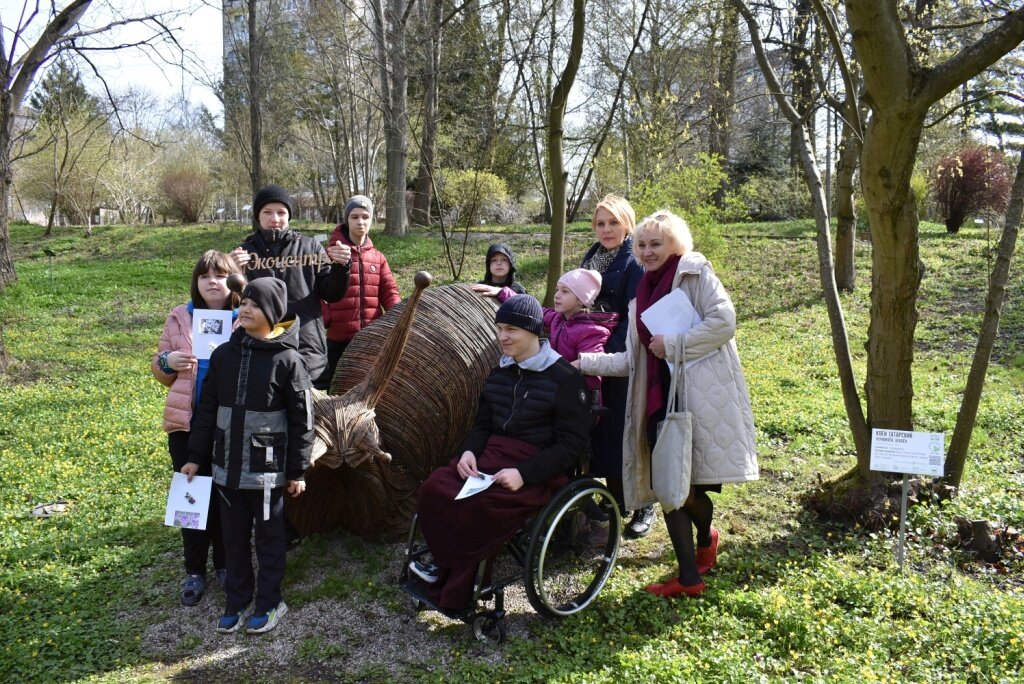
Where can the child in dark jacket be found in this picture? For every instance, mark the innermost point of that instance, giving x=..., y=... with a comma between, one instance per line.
x=371, y=287
x=573, y=329
x=501, y=268
x=255, y=422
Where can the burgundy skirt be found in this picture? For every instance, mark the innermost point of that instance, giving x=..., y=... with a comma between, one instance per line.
x=462, y=533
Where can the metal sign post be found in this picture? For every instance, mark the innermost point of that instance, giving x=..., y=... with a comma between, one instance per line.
x=900, y=451
x=901, y=552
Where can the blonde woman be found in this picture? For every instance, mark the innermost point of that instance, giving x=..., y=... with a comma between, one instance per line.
x=612, y=256
x=716, y=394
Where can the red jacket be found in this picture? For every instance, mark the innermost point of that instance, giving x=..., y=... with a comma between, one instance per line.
x=371, y=291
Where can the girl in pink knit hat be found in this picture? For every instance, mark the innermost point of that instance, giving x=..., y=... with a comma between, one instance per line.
x=573, y=328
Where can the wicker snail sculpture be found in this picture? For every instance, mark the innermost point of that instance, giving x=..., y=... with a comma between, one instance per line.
x=402, y=399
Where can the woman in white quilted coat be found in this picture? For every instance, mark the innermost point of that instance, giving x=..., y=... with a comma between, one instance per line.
x=716, y=395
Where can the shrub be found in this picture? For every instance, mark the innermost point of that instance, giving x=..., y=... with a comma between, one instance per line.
x=187, y=189
x=970, y=180
x=686, y=189
x=472, y=196
x=707, y=233
x=919, y=185
x=776, y=199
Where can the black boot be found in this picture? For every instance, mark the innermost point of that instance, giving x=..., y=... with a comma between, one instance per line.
x=640, y=524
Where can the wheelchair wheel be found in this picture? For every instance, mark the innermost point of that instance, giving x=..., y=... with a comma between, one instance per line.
x=573, y=548
x=489, y=628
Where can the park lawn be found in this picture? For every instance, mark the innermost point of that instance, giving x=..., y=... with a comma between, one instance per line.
x=792, y=599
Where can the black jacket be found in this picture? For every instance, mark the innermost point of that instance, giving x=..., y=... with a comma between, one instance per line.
x=545, y=408
x=303, y=265
x=618, y=288
x=254, y=420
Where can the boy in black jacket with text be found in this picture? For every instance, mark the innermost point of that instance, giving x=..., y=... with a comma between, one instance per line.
x=255, y=421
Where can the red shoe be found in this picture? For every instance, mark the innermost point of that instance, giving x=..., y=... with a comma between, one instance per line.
x=707, y=556
x=674, y=588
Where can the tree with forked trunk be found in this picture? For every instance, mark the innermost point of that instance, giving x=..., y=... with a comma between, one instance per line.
x=901, y=82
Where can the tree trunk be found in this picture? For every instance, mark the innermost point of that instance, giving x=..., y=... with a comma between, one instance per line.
x=51, y=215
x=580, y=193
x=723, y=93
x=965, y=419
x=846, y=210
x=431, y=92
x=556, y=134
x=859, y=427
x=255, y=104
x=803, y=85
x=391, y=52
x=4, y=360
x=489, y=148
x=887, y=161
x=7, y=273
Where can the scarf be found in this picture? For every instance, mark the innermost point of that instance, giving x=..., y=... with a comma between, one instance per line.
x=653, y=286
x=601, y=259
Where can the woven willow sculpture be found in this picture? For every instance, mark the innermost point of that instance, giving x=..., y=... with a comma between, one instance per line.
x=402, y=399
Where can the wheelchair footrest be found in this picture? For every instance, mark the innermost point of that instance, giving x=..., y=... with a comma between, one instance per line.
x=417, y=589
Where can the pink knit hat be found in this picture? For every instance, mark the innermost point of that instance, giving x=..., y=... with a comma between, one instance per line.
x=583, y=283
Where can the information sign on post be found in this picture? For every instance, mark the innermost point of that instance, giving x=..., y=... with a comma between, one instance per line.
x=915, y=453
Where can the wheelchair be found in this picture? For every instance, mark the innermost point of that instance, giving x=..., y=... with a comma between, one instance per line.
x=564, y=556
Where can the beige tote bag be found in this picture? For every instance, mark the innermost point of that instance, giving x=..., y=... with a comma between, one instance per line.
x=672, y=458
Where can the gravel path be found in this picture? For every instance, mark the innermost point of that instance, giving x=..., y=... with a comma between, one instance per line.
x=347, y=621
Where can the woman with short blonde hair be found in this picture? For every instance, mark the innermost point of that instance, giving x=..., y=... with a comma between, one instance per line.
x=672, y=227
x=723, y=448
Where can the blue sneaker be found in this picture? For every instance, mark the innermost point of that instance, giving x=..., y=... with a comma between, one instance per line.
x=258, y=624
x=230, y=622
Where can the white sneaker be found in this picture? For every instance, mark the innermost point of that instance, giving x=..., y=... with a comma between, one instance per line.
x=428, y=572
x=264, y=623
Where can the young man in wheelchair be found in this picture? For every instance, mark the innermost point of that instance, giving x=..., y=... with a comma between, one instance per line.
x=532, y=425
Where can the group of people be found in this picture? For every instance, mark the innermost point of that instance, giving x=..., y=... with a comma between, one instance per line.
x=245, y=415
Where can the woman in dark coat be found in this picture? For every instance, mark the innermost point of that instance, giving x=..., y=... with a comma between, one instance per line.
x=612, y=256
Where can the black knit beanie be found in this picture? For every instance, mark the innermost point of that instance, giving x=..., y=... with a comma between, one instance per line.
x=522, y=311
x=268, y=194
x=270, y=295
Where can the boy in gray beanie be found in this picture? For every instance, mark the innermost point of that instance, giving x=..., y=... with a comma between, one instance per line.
x=371, y=287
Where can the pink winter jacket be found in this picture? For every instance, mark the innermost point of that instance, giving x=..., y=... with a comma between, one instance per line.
x=177, y=336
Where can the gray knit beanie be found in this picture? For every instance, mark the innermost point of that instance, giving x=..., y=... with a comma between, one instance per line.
x=358, y=201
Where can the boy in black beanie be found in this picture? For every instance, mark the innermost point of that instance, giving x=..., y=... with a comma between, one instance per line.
x=255, y=422
x=311, y=273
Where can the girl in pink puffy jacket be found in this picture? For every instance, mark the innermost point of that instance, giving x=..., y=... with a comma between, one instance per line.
x=175, y=366
x=573, y=329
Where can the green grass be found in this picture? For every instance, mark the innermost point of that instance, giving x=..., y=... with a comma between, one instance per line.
x=793, y=599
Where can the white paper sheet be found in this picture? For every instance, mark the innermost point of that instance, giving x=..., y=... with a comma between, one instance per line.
x=188, y=503
x=210, y=329
x=475, y=485
x=671, y=315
